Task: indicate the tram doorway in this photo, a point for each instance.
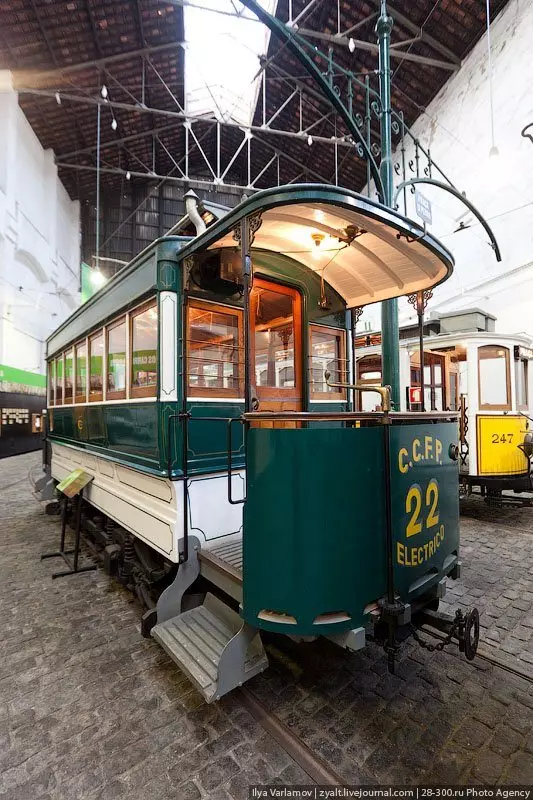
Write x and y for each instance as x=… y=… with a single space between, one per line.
x=276 y=348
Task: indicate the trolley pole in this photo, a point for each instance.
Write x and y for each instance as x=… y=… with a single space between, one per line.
x=390 y=346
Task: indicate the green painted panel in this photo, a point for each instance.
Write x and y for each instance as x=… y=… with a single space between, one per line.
x=425 y=505
x=208 y=444
x=314 y=525
x=125 y=432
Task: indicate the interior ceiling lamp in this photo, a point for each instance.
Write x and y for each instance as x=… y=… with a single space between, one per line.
x=104 y=92
x=493 y=150
x=317 y=238
x=309 y=140
x=351 y=45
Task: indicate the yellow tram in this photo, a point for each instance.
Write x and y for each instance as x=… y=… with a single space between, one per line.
x=484 y=375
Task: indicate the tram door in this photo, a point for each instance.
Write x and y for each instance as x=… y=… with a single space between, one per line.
x=276 y=348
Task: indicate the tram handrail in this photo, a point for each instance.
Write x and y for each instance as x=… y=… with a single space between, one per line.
x=383 y=391
x=345 y=416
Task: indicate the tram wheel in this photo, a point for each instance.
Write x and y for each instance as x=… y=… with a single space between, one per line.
x=471 y=633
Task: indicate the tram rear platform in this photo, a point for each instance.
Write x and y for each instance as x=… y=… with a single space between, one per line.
x=90 y=709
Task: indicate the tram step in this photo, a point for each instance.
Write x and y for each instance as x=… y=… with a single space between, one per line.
x=213 y=646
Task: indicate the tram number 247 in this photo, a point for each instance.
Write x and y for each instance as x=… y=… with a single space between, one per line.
x=422 y=508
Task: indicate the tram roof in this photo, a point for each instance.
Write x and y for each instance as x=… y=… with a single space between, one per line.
x=376 y=265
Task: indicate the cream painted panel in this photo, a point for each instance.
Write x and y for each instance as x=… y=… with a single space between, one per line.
x=211 y=514
x=154 y=531
x=146 y=516
x=145 y=483
x=106 y=468
x=89 y=461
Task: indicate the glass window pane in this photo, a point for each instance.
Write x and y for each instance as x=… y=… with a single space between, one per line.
x=59 y=380
x=213 y=349
x=144 y=349
x=116 y=358
x=438 y=399
x=81 y=372
x=427 y=398
x=493 y=388
x=326 y=354
x=427 y=375
x=96 y=345
x=274 y=340
x=69 y=375
x=437 y=374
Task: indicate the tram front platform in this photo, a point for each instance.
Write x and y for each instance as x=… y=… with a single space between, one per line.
x=88 y=708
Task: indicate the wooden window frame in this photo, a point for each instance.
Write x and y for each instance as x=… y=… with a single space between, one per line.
x=488 y=406
x=98 y=396
x=211 y=391
x=343 y=369
x=51 y=382
x=62 y=359
x=140 y=391
x=295 y=392
x=119 y=394
x=69 y=349
x=80 y=398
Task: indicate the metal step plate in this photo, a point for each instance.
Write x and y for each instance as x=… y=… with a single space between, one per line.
x=198 y=640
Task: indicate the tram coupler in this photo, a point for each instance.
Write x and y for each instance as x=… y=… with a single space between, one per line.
x=393 y=614
x=463 y=627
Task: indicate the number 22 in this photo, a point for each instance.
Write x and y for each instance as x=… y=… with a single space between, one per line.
x=414 y=497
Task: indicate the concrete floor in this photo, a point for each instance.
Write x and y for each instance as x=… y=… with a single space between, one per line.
x=89 y=709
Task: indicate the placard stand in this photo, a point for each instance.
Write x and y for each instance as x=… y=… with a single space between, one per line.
x=71 y=486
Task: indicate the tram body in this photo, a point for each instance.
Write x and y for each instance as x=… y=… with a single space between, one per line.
x=486 y=377
x=217 y=445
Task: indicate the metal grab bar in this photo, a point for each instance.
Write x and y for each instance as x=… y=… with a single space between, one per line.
x=230 y=467
x=383 y=391
x=346 y=416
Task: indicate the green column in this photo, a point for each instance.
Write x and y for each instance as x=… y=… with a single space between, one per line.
x=390 y=345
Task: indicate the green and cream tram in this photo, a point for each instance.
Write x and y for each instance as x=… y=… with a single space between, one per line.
x=207 y=389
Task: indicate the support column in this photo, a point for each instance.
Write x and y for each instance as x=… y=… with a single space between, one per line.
x=390 y=347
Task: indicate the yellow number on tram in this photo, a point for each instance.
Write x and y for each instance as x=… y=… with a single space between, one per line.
x=414 y=495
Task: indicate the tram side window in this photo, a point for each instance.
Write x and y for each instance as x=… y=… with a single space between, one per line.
x=494 y=378
x=116 y=361
x=521 y=383
x=144 y=352
x=96 y=366
x=327 y=353
x=69 y=376
x=59 y=381
x=214 y=350
x=81 y=372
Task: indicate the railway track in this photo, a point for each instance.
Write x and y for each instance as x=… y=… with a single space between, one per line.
x=491 y=658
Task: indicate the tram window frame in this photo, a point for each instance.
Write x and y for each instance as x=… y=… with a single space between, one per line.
x=117 y=394
x=60 y=359
x=486 y=348
x=69 y=351
x=80 y=398
x=215 y=391
x=52 y=382
x=336 y=395
x=521 y=383
x=153 y=389
x=96 y=397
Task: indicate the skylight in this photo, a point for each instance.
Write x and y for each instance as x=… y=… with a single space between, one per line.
x=221 y=58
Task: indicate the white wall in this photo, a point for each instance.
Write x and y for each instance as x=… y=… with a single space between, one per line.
x=39 y=240
x=456 y=127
